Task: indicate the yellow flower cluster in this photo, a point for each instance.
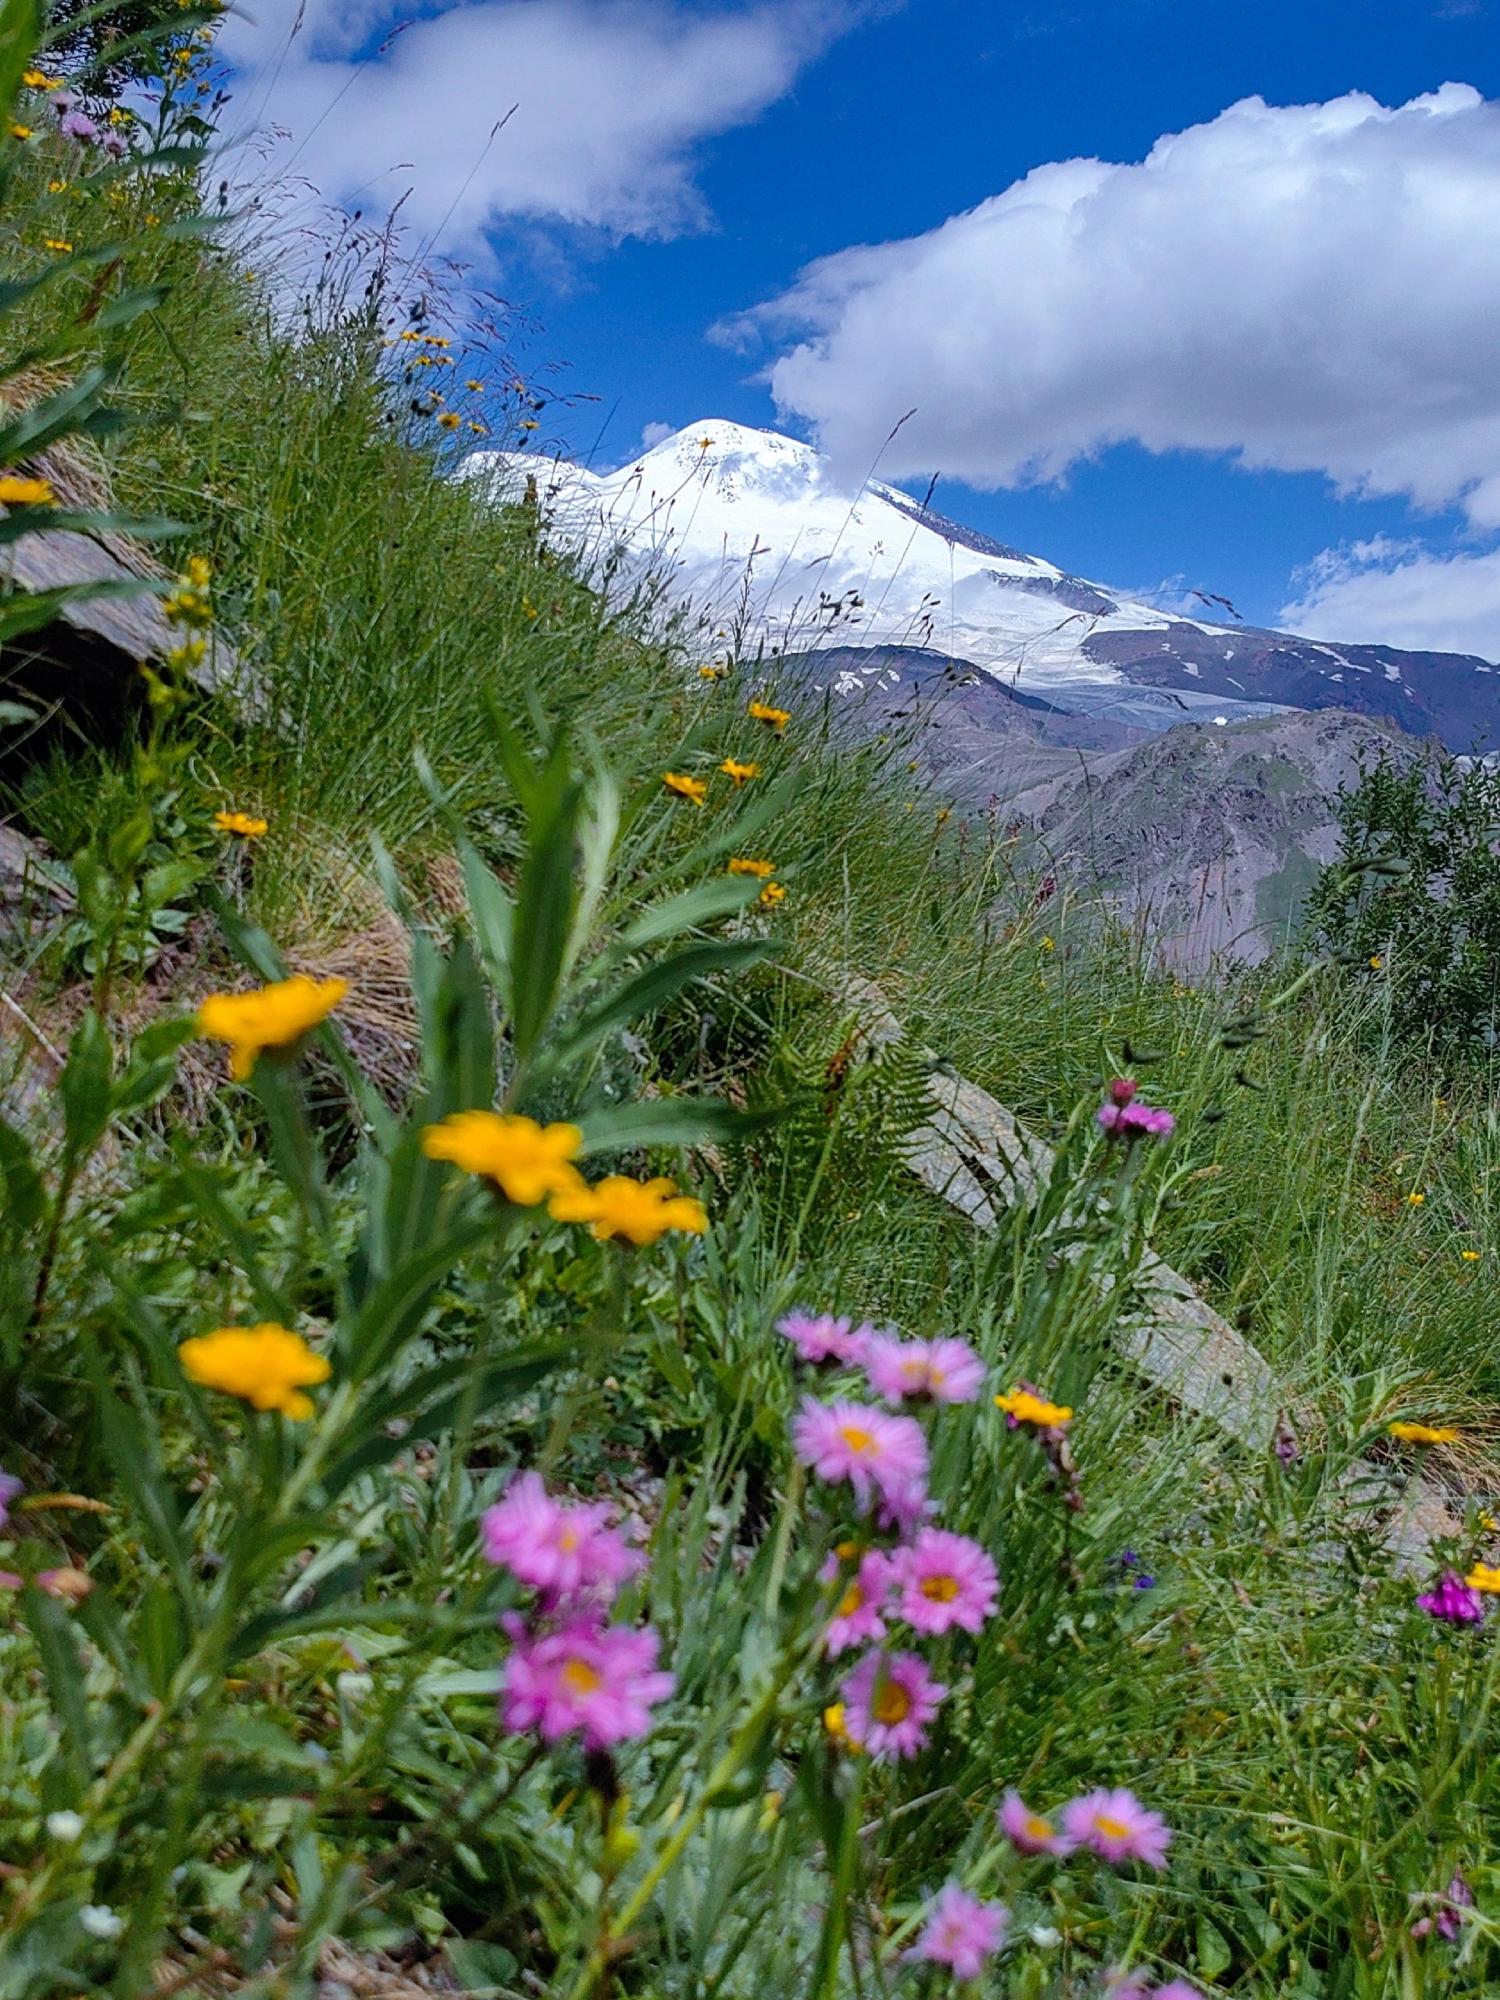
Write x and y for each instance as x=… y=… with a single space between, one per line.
x=18 y=491
x=776 y=718
x=685 y=787
x=1423 y=1433
x=269 y=1017
x=266 y=1366
x=532 y=1163
x=740 y=773
x=1028 y=1408
x=1485 y=1577
x=244 y=824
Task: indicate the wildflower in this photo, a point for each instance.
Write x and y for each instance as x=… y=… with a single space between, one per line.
x=1027 y=1831
x=778 y=718
x=528 y=424
x=835 y=1726
x=529 y=610
x=64 y=1825
x=1025 y=1406
x=740 y=773
x=961 y=1932
x=450 y=420
x=479 y=430
x=889 y=1700
x=861 y=1610
x=10 y=1486
x=685 y=787
x=476 y=387
x=772 y=894
x=883 y=1458
x=1424 y=1433
x=16 y=491
x=1469 y=1256
x=78 y=125
x=1375 y=962
x=244 y=824
x=71 y=1586
x=526 y=1161
x=20 y=131
x=1453 y=1602
x=566 y=1550
x=639 y=1211
x=597 y=1681
x=716 y=670
x=36 y=79
x=1049 y=944
x=945 y=1580
x=266 y=1366
x=411 y=333
x=1484 y=1577
x=1177 y=1989
x=1125 y=1118
x=101 y=1922
x=269 y=1017
x=947 y=1371
x=821 y=1337
x=1117 y=1827
x=739 y=865
x=1416 y=1198
x=57 y=187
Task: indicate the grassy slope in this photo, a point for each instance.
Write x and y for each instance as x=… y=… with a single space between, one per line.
x=1281 y=1711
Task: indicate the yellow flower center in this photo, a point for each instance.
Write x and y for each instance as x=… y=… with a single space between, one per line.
x=1116 y=1829
x=892 y=1704
x=579 y=1677
x=941 y=1589
x=851 y=1600
x=568 y=1539
x=1038 y=1829
x=858 y=1439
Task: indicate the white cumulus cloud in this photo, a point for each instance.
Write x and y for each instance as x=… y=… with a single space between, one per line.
x=612 y=97
x=1311 y=288
x=1396 y=593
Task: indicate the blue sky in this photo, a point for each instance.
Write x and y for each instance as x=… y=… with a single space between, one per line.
x=838 y=124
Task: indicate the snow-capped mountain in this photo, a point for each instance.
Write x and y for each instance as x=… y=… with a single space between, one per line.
x=748 y=530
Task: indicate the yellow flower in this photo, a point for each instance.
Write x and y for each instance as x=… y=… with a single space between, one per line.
x=266 y=1366
x=244 y=824
x=479 y=430
x=1469 y=1256
x=1415 y=1199
x=475 y=386
x=199 y=573
x=772 y=894
x=685 y=787
x=528 y=609
x=528 y=424
x=436 y=340
x=836 y=1728
x=1049 y=944
x=1423 y=1433
x=36 y=79
x=945 y=813
x=1375 y=962
x=20 y=131
x=411 y=334
x=1485 y=1577
x=526 y=1161
x=739 y=772
x=777 y=717
x=1028 y=1408
x=57 y=187
x=742 y=866
x=18 y=492
x=713 y=673
x=450 y=420
x=57 y=243
x=269 y=1017
x=641 y=1211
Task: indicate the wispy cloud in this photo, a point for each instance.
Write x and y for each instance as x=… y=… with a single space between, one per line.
x=1394 y=592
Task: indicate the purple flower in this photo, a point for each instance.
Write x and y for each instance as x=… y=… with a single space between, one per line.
x=1117 y=1827
x=946 y=1371
x=960 y=1932
x=10 y=1486
x=822 y=1337
x=1452 y=1602
x=884 y=1458
x=888 y=1701
x=1143 y=1582
x=943 y=1580
x=599 y=1681
x=78 y=125
x=1028 y=1832
x=1135 y=1121
x=564 y=1549
x=115 y=144
x=861 y=1609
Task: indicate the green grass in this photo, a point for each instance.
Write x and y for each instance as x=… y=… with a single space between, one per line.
x=1321 y=1748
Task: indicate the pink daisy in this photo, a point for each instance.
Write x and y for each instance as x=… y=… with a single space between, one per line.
x=947 y=1371
x=1027 y=1831
x=960 y=1931
x=883 y=1458
x=1452 y=1602
x=1117 y=1827
x=861 y=1609
x=888 y=1701
x=564 y=1549
x=598 y=1680
x=944 y=1580
x=821 y=1337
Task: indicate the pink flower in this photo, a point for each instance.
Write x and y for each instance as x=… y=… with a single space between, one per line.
x=10 y=1486
x=1452 y=1602
x=945 y=1580
x=77 y=125
x=564 y=1549
x=597 y=1680
x=861 y=1609
x=1177 y=1989
x=948 y=1371
x=1118 y=1827
x=1135 y=1121
x=888 y=1701
x=960 y=1931
x=1122 y=1089
x=1027 y=1831
x=821 y=1337
x=884 y=1458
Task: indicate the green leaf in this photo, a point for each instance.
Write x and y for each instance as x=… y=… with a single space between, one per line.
x=491 y=914
x=649 y=988
x=24 y=1189
x=84 y=1086
x=57 y=1645
x=667 y=1121
x=392 y=1310
x=133 y=1446
x=21 y=23
x=545 y=901
x=723 y=896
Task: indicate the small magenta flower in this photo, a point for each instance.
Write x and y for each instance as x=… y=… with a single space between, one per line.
x=77 y=125
x=961 y=1932
x=945 y=1371
x=1453 y=1602
x=10 y=1486
x=1028 y=1832
x=1177 y=1989
x=884 y=1458
x=822 y=1337
x=566 y=1550
x=888 y=1702
x=861 y=1609
x=943 y=1580
x=597 y=1681
x=1135 y=1121
x=1117 y=1827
